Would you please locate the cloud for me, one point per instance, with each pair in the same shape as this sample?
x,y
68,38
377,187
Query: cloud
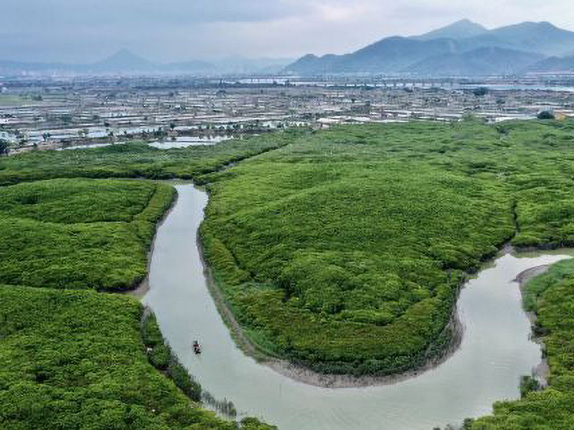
x,y
149,11
85,30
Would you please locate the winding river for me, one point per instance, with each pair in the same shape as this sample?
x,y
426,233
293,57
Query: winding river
x,y
496,349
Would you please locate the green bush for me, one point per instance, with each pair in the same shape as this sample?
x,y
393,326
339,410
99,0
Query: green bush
x,y
151,334
160,357
79,234
74,359
183,380
136,160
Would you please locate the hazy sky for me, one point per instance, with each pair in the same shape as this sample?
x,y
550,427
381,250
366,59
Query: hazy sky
x,y
166,30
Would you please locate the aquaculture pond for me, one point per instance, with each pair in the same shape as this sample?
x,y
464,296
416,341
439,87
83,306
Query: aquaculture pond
x,y
185,141
496,348
175,143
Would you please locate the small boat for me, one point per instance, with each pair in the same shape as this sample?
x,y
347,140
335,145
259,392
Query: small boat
x,y
196,347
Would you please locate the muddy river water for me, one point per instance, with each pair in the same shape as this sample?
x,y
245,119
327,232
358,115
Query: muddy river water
x,y
496,348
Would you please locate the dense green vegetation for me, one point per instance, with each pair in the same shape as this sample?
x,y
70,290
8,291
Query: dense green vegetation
x,y
162,358
80,359
75,360
551,296
134,160
345,250
79,233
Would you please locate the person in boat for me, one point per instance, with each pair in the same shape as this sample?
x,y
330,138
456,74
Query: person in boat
x,y
196,347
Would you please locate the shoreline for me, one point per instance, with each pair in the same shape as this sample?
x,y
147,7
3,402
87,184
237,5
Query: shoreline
x,y
143,287
307,376
542,371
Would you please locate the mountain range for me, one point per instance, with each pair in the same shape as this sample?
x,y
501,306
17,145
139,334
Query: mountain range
x,y
462,48
126,62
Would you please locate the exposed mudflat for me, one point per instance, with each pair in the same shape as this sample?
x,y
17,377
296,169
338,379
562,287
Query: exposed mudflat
x,y
541,371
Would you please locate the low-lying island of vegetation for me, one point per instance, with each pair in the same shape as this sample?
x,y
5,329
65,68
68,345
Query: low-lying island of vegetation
x,y
344,251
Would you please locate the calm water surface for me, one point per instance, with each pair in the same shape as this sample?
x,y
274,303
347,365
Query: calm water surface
x,y
185,141
179,142
495,351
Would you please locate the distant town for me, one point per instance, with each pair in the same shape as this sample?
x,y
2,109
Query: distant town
x,y
56,113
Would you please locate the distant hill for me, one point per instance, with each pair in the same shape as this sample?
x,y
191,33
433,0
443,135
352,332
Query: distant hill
x,y
122,61
541,37
126,62
242,65
17,66
481,61
458,30
391,55
462,48
311,64
194,66
553,65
